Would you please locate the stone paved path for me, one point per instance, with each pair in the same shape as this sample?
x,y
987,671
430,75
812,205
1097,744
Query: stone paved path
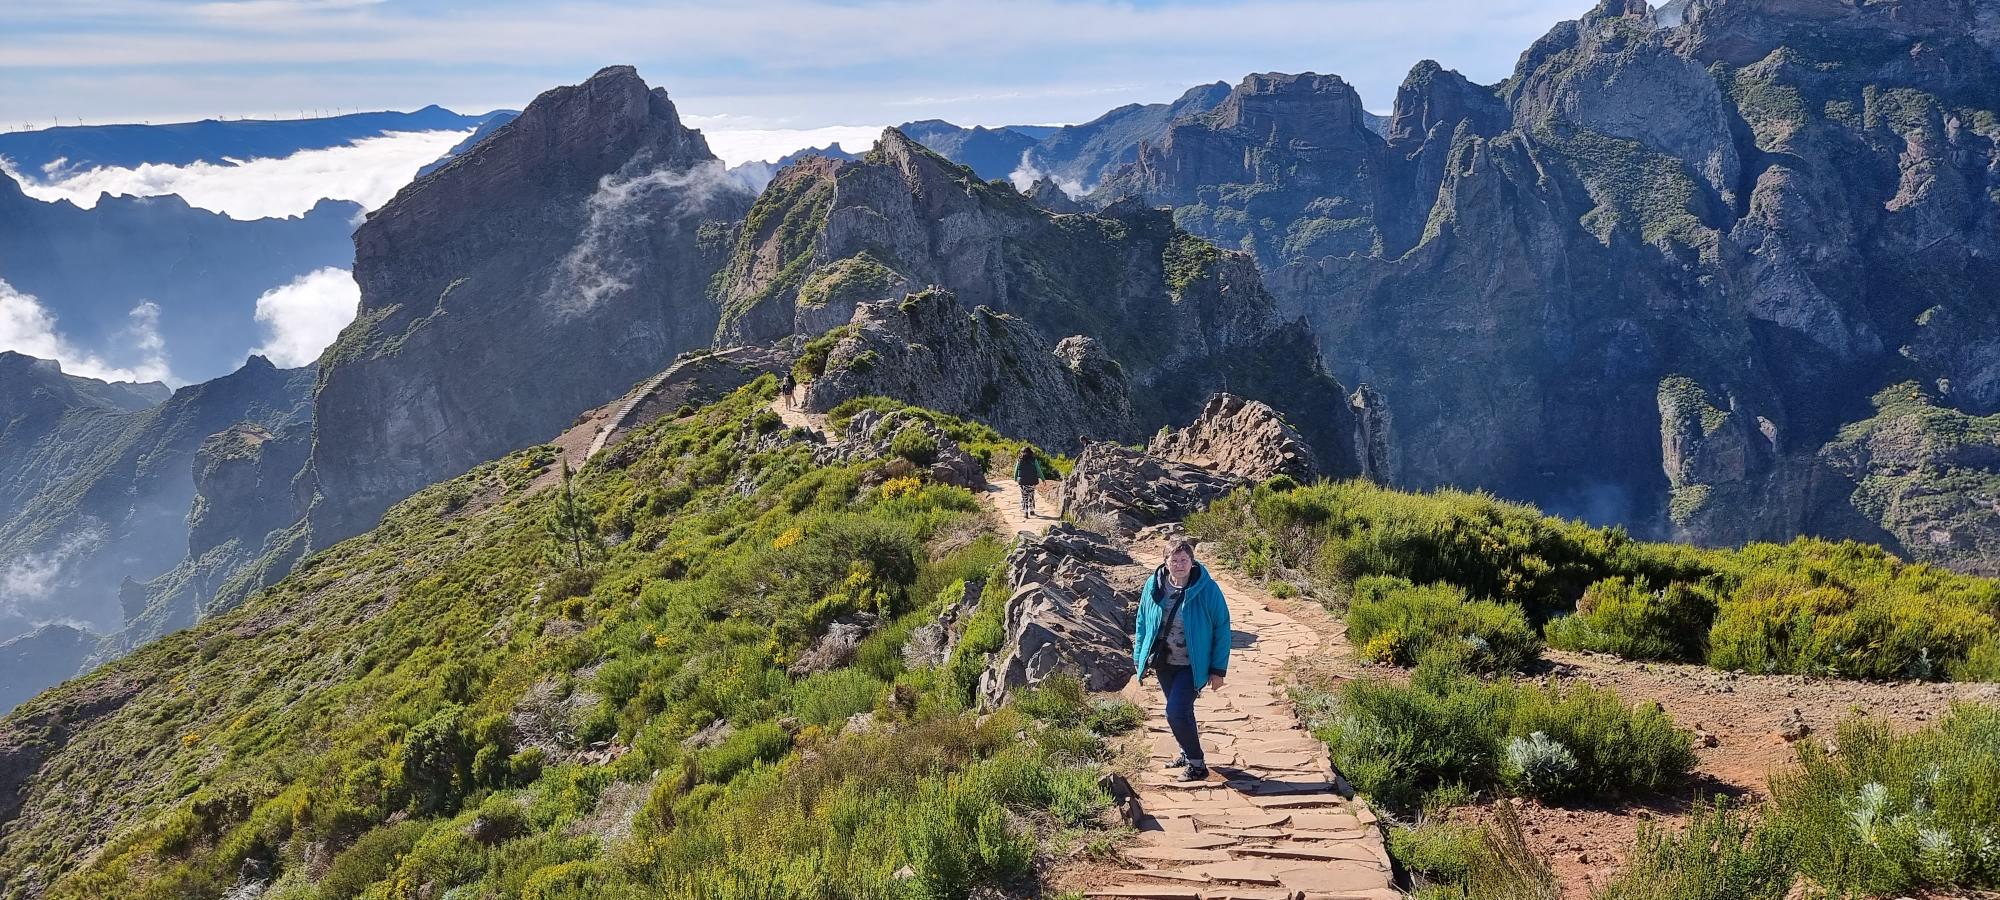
x,y
1267,824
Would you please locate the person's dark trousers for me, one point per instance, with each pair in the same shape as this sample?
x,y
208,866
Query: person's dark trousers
x,y
1178,682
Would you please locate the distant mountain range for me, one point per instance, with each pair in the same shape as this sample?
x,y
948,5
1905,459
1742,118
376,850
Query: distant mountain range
x,y
77,147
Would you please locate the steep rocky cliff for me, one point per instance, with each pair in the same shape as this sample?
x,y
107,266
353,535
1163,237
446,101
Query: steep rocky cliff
x,y
540,273
96,481
1179,317
95,494
1285,167
1770,209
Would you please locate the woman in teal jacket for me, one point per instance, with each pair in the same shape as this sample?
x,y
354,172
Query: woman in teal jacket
x,y
1182,633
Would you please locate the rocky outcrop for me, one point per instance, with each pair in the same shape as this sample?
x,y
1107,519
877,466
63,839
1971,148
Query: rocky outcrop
x,y
1301,146
1049,195
1121,490
1179,317
96,493
931,643
871,434
1925,475
1374,447
540,273
1239,437
1063,615
837,646
928,350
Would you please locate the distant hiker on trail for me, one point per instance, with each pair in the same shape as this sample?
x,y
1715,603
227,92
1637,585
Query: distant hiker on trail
x,y
1182,633
1028,471
787,387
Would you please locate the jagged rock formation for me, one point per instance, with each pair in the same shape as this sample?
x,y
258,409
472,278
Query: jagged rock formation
x,y
1081,155
95,488
931,643
1240,437
1063,615
242,532
1790,205
540,273
928,350
1049,195
1121,490
1373,446
1326,193
1180,318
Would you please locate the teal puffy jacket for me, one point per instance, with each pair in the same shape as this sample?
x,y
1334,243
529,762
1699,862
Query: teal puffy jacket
x,y
1204,614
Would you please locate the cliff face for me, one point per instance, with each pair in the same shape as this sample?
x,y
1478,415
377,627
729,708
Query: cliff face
x,y
540,273
96,494
1285,167
1780,207
96,481
1179,317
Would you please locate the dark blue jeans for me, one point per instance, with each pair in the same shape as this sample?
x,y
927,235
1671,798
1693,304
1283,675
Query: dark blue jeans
x,y
1178,682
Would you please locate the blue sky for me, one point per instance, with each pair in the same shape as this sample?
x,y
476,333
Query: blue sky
x,y
743,65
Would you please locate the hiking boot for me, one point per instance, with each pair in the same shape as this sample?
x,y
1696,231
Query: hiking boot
x,y
1180,762
1195,772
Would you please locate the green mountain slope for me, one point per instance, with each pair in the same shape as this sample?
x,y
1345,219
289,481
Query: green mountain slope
x,y
449,706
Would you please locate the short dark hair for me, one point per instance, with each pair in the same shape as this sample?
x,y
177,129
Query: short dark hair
x,y
1180,544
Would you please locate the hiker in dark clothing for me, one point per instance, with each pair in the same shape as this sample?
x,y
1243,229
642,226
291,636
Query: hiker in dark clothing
x,y
786,387
1028,471
1182,633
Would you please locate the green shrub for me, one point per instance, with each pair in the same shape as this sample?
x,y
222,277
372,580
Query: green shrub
x,y
1840,610
1809,607
1400,742
1449,861
915,445
1890,812
1630,619
1394,621
1719,856
369,859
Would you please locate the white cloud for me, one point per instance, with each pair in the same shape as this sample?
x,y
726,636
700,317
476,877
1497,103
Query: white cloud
x,y
622,206
735,145
26,327
368,171
33,576
1027,173
303,317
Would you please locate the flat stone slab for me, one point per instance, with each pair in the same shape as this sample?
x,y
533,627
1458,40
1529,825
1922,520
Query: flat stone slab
x,y
1191,840
1247,871
1167,874
1353,852
1148,892
1257,821
1332,877
1175,855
